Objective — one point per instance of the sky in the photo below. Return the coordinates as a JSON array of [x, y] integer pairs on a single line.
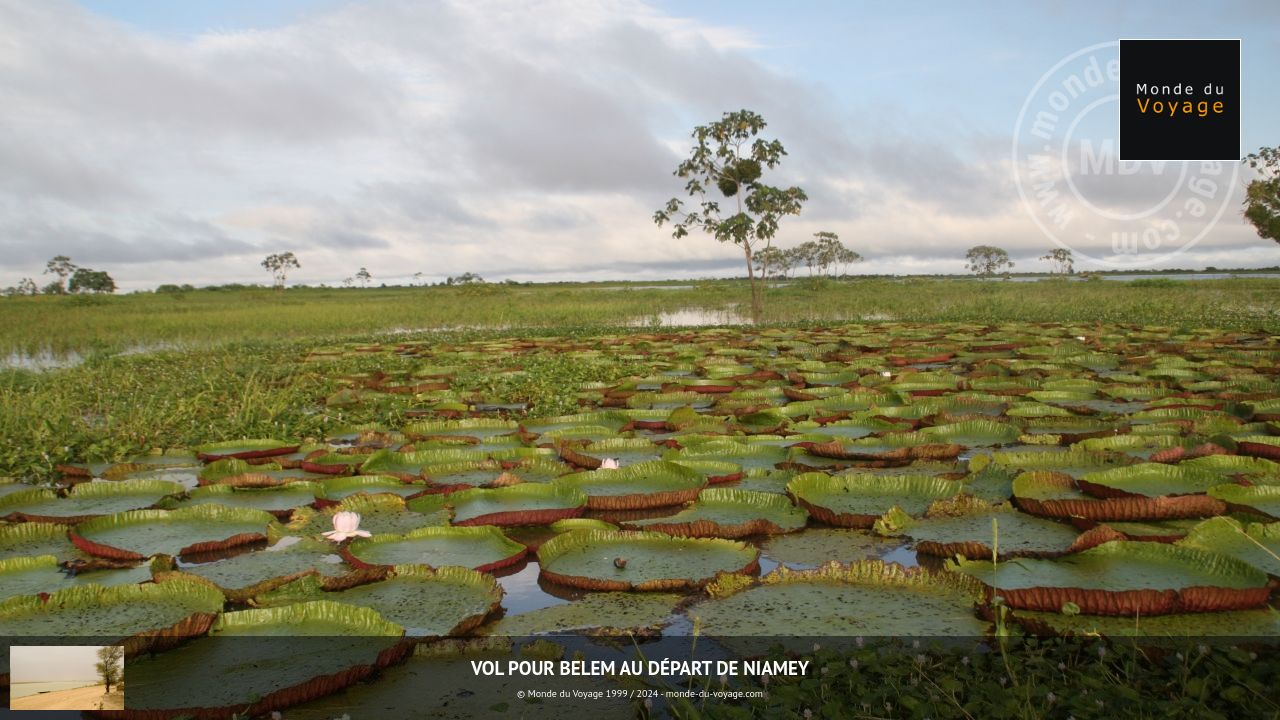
[[37, 663], [182, 142]]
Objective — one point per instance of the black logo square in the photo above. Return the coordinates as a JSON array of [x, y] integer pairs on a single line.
[[1180, 100]]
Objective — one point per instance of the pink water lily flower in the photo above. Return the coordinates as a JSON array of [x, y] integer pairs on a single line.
[[609, 464], [346, 524]]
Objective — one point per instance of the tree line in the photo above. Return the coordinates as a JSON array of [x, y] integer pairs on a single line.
[[69, 278]]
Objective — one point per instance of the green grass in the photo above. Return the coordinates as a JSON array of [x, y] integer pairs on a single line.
[[60, 325]]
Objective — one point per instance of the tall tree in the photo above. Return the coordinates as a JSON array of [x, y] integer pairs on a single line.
[[771, 258], [110, 665], [279, 265], [1262, 196], [729, 156], [1060, 260], [94, 281], [987, 260], [364, 277], [61, 266]]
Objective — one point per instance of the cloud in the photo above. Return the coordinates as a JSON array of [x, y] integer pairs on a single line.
[[509, 139]]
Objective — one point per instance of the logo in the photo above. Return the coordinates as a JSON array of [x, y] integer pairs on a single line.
[[1066, 163]]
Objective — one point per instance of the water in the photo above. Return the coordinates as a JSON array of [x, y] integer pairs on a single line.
[[23, 689], [692, 317], [48, 360]]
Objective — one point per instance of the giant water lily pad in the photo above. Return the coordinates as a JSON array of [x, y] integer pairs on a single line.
[[1263, 499], [244, 449], [729, 513], [340, 487], [819, 546], [482, 548], [138, 534], [523, 504], [379, 514], [278, 500], [1255, 543], [244, 575], [1125, 578], [618, 560], [33, 538], [1255, 625], [1057, 495], [974, 529], [176, 608], [867, 598], [425, 601], [40, 574], [857, 500], [1148, 480], [317, 648], [636, 487], [973, 433], [87, 500], [604, 613]]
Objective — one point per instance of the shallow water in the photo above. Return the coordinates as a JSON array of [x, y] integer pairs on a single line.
[[23, 689]]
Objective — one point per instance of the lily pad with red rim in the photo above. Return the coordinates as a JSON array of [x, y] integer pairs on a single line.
[[648, 561], [138, 534], [483, 548], [521, 504]]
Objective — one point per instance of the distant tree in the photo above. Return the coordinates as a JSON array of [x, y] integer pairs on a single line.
[[61, 266], [987, 260], [347, 281], [25, 286], [1060, 260], [806, 253], [1262, 196], [467, 278], [94, 281], [417, 277], [771, 258], [792, 259], [846, 257], [364, 277], [279, 265], [110, 665], [730, 157]]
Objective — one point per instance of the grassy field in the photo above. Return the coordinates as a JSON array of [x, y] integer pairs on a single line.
[[87, 324], [237, 378]]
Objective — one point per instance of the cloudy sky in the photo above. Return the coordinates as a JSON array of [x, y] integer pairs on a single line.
[[181, 142]]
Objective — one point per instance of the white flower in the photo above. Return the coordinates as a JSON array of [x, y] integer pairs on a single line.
[[346, 525], [885, 373], [1081, 338], [609, 464]]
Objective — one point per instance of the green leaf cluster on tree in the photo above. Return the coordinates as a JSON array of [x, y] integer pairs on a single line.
[[1262, 195], [987, 260], [110, 665], [279, 265], [1061, 261], [729, 158]]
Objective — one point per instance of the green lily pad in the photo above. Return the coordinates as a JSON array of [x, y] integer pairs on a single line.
[[88, 499], [482, 548], [523, 504], [1252, 624], [1149, 480], [869, 598], [603, 560], [273, 499], [138, 534], [974, 433], [111, 613], [636, 487], [605, 613], [973, 531], [425, 601], [729, 513], [338, 488], [333, 645], [819, 546], [380, 514], [1255, 543], [31, 575], [244, 575], [243, 449], [856, 500], [32, 538], [1264, 499], [1125, 578]]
